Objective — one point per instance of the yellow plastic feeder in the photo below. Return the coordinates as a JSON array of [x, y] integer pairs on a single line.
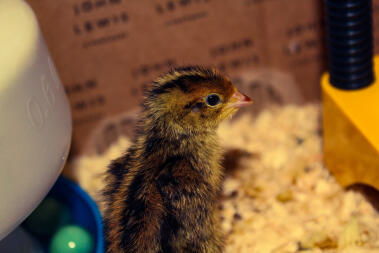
[[351, 95]]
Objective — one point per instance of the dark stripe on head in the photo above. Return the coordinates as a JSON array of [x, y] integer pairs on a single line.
[[180, 82], [163, 88], [192, 74], [194, 68]]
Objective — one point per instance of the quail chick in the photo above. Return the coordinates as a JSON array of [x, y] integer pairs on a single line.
[[161, 195]]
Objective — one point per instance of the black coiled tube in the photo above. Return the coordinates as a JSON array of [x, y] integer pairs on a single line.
[[350, 43]]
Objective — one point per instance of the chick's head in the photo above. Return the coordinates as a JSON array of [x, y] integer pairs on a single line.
[[193, 99]]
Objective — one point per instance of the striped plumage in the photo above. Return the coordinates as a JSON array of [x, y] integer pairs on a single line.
[[161, 195]]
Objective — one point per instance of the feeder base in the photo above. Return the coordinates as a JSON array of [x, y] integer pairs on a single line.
[[351, 132]]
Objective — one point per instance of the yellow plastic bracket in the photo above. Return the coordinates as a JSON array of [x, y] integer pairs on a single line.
[[351, 132]]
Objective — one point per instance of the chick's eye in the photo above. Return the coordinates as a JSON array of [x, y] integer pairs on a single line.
[[212, 99]]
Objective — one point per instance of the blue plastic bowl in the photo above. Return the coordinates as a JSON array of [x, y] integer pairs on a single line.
[[83, 209]]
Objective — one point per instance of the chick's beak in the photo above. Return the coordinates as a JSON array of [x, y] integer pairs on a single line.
[[239, 100]]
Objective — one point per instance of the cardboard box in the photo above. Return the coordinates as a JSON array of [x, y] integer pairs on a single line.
[[106, 51]]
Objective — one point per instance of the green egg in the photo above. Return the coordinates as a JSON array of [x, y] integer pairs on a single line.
[[47, 218], [71, 239]]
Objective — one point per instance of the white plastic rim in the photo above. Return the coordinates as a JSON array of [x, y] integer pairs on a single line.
[[35, 118]]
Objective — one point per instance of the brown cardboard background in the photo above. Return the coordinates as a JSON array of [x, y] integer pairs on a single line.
[[106, 50]]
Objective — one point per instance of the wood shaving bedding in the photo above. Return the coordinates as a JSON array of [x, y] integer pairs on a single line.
[[280, 199]]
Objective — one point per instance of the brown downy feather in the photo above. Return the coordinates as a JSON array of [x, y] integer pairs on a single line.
[[161, 195]]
